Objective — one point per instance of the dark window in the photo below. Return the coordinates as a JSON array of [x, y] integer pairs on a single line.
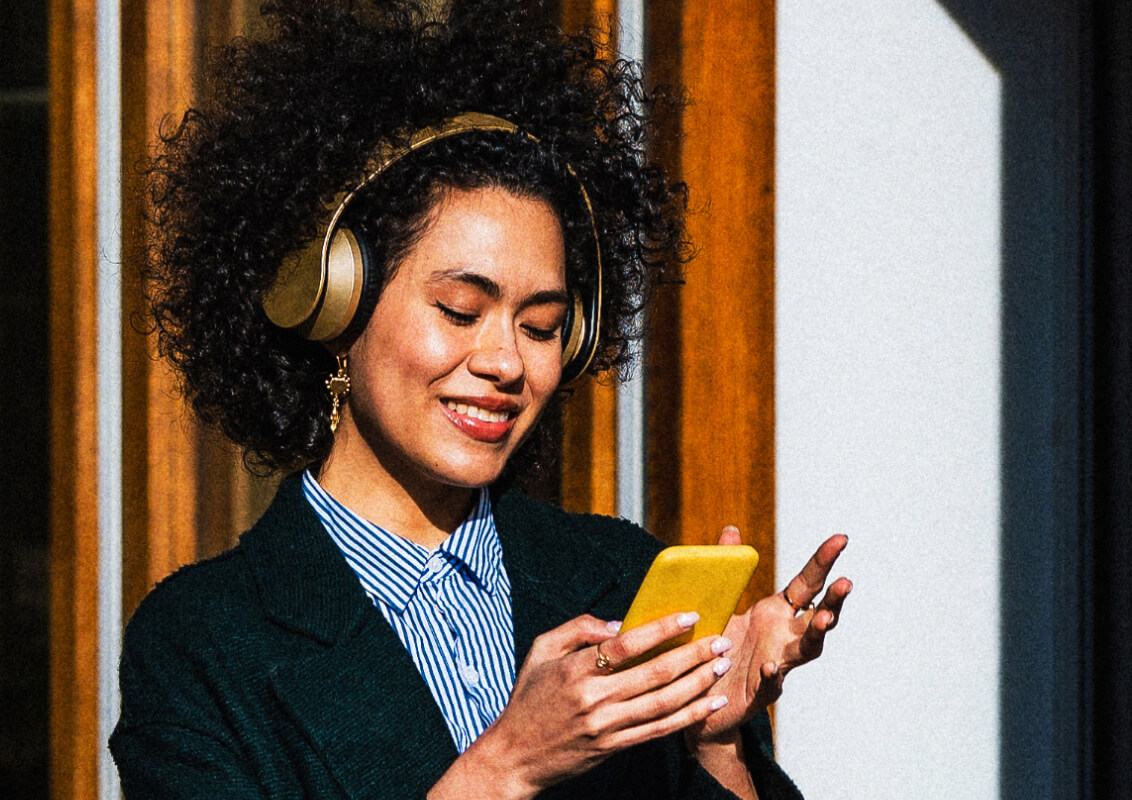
[[23, 400]]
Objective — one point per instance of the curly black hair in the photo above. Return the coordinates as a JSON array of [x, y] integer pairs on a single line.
[[288, 121]]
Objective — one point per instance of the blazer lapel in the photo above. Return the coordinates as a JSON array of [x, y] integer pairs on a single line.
[[361, 702], [366, 710], [556, 572]]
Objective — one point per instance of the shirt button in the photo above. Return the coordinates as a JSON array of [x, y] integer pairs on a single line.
[[434, 565], [471, 677]]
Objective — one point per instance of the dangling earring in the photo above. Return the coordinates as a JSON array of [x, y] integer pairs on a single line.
[[338, 384]]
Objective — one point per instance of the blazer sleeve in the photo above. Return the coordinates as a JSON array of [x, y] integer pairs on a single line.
[[170, 761], [170, 741], [187, 695], [771, 782]]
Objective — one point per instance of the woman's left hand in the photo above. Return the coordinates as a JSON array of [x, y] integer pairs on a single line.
[[771, 638]]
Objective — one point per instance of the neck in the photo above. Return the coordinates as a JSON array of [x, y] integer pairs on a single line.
[[409, 505]]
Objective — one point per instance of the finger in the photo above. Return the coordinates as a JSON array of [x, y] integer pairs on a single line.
[[668, 667], [638, 641], [821, 622], [813, 639], [671, 697], [834, 599], [571, 636], [806, 585], [730, 535], [695, 711], [809, 645], [770, 684]]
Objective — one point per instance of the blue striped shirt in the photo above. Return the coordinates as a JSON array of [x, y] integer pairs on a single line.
[[451, 607]]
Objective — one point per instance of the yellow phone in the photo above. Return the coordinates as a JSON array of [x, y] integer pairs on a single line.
[[707, 579]]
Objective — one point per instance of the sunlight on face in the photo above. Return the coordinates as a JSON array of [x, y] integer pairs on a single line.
[[464, 348]]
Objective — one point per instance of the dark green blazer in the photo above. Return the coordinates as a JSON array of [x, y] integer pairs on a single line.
[[267, 672]]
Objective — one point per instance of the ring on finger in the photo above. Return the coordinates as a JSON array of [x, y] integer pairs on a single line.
[[798, 609], [602, 661]]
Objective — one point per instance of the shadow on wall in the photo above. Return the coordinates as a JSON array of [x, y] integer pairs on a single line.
[[1037, 47]]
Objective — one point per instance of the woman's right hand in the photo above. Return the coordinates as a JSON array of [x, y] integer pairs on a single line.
[[566, 714]]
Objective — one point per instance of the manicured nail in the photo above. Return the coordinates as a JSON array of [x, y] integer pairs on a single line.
[[721, 645], [718, 702], [614, 625], [721, 666], [688, 620]]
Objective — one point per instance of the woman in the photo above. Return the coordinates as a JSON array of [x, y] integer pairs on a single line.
[[384, 245]]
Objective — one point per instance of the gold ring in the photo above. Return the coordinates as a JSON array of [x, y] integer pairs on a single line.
[[602, 659], [797, 608]]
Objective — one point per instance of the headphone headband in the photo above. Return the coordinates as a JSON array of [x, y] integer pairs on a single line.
[[319, 288]]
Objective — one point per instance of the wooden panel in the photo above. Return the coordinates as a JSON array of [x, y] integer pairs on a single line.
[[589, 420], [579, 14], [73, 398], [180, 480], [160, 440], [589, 450], [711, 426]]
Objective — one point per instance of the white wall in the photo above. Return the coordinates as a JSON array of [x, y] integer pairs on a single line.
[[889, 392]]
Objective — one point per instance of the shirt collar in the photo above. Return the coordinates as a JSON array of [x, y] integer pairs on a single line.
[[391, 567], [475, 544]]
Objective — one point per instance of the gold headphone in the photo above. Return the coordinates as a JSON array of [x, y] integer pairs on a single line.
[[320, 288]]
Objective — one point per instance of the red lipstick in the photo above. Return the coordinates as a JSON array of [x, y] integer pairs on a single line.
[[479, 429]]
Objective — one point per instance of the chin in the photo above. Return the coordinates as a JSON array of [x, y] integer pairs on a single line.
[[462, 462], [471, 472]]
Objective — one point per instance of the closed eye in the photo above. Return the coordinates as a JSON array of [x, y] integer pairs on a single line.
[[457, 317], [542, 334]]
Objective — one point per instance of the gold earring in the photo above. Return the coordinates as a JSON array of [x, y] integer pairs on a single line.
[[338, 384]]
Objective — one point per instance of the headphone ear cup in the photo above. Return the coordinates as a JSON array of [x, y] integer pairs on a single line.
[[295, 298], [579, 335], [366, 268], [325, 291], [570, 338]]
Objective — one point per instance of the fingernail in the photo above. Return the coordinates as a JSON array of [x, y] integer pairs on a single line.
[[721, 666], [688, 620], [721, 645], [614, 625], [718, 702], [731, 528]]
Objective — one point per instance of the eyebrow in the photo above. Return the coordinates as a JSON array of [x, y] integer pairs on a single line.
[[495, 292]]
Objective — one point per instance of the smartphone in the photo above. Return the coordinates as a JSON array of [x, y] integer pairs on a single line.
[[707, 579]]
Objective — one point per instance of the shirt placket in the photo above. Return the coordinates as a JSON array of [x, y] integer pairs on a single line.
[[471, 671], [445, 591], [437, 571]]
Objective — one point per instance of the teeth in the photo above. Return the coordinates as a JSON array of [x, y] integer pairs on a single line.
[[477, 413]]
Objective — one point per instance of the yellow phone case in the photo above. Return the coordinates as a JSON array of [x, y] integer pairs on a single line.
[[707, 579]]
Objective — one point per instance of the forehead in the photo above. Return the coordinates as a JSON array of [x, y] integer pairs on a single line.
[[512, 239]]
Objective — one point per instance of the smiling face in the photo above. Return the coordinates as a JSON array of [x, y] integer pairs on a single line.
[[464, 348]]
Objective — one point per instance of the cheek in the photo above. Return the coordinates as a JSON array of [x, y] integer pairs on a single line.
[[410, 349], [434, 350], [544, 371]]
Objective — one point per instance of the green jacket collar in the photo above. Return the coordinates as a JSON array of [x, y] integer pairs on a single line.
[[360, 700], [306, 585]]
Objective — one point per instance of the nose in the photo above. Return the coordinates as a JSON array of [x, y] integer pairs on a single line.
[[496, 355]]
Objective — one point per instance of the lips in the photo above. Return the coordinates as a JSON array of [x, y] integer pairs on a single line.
[[485, 419]]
